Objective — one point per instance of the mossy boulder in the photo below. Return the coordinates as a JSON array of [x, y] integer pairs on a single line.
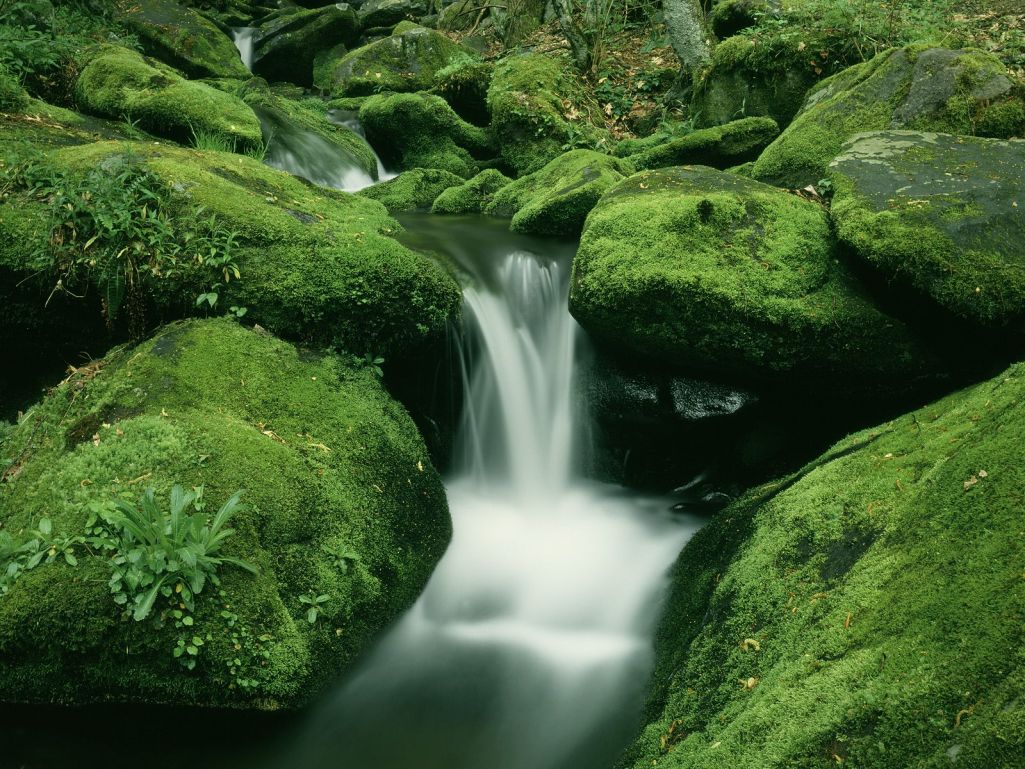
[[183, 38], [535, 103], [407, 60], [556, 199], [388, 13], [317, 265], [865, 610], [419, 130], [119, 83], [471, 196], [341, 501], [752, 76], [916, 88], [720, 147], [413, 190], [287, 46], [940, 213], [288, 125], [704, 270], [464, 83]]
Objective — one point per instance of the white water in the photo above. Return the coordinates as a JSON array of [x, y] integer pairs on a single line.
[[243, 39], [531, 645]]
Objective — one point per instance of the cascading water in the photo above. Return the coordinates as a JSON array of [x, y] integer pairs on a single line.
[[531, 645], [243, 39]]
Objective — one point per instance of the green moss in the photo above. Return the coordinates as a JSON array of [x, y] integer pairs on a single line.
[[706, 270], [183, 38], [412, 190], [307, 115], [529, 119], [406, 61], [13, 97], [939, 213], [719, 147], [463, 83], [916, 87], [317, 265], [881, 589], [119, 83], [473, 195], [418, 130], [556, 199], [289, 42], [327, 459], [756, 76]]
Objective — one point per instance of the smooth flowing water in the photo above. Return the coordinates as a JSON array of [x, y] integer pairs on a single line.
[[531, 645], [243, 39]]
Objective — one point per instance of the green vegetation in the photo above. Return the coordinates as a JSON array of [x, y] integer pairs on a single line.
[[920, 88], [471, 196], [317, 265], [412, 190], [119, 83], [556, 199], [706, 270], [529, 120], [864, 611], [953, 236], [731, 144], [408, 60], [419, 130], [347, 505]]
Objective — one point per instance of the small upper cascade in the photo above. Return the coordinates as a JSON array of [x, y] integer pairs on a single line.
[[243, 39]]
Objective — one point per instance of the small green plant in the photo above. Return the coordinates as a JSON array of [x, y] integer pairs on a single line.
[[374, 363], [341, 557], [314, 602], [37, 546], [216, 142], [173, 553]]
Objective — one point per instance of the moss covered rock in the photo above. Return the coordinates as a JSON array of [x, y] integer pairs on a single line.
[[341, 502], [751, 76], [918, 88], [940, 213], [706, 270], [388, 13], [183, 38], [464, 83], [316, 265], [471, 196], [119, 83], [866, 610], [288, 124], [719, 147], [412, 190], [419, 130], [405, 61], [556, 199], [535, 103], [287, 46]]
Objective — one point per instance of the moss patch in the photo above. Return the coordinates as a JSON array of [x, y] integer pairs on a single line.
[[412, 190], [182, 37], [920, 88], [328, 460], [702, 269], [473, 195], [538, 111], [940, 213], [406, 61], [419, 130], [865, 610], [556, 199], [119, 83], [719, 147]]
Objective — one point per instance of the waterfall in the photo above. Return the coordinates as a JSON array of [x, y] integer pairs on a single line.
[[243, 39], [531, 645]]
